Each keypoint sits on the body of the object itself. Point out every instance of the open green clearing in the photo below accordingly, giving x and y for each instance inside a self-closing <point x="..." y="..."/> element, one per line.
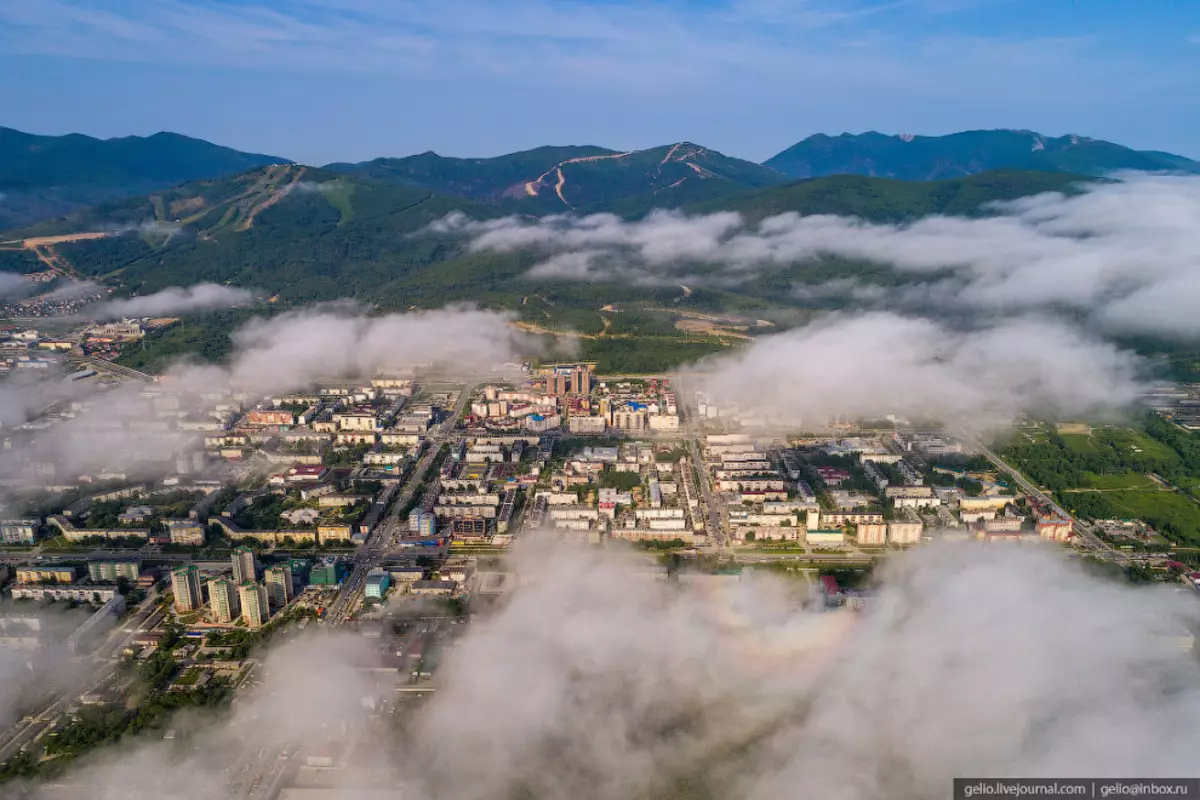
<point x="1105" y="474"/>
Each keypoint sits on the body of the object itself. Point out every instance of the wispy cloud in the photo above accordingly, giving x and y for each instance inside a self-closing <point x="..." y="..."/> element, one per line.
<point x="651" y="42"/>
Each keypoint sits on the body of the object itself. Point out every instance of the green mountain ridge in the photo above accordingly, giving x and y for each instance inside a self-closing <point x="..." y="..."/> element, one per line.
<point x="46" y="176"/>
<point x="300" y="235"/>
<point x="921" y="158"/>
<point x="582" y="179"/>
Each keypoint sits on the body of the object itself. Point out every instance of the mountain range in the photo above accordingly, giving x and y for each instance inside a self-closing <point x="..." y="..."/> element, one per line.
<point x="926" y="158"/>
<point x="299" y="234"/>
<point x="48" y="176"/>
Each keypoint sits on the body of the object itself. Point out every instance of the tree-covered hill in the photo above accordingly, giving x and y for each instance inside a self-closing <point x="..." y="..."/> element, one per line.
<point x="922" y="158"/>
<point x="555" y="179"/>
<point x="44" y="176"/>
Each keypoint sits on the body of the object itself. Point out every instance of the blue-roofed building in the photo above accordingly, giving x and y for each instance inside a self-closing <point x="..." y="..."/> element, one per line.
<point x="377" y="584"/>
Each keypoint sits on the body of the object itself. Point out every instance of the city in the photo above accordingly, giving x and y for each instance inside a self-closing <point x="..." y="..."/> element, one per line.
<point x="390" y="507"/>
<point x="592" y="400"/>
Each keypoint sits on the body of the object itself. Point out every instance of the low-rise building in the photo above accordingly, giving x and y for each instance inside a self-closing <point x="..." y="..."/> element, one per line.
<point x="377" y="584"/>
<point x="19" y="531"/>
<point x="110" y="571"/>
<point x="51" y="591"/>
<point x="434" y="588"/>
<point x="185" y="532"/>
<point x="872" y="534"/>
<point x="57" y="573"/>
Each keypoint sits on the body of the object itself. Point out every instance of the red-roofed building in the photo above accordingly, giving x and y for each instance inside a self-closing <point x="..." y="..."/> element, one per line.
<point x="833" y="475"/>
<point x="302" y="473"/>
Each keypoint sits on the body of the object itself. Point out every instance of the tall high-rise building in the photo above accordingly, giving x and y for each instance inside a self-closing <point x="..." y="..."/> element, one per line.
<point x="558" y="383"/>
<point x="185" y="584"/>
<point x="581" y="384"/>
<point x="224" y="601"/>
<point x="255" y="606"/>
<point x="245" y="566"/>
<point x="279" y="585"/>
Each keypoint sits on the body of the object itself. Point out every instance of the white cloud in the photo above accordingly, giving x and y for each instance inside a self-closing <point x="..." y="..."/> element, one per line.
<point x="118" y="429"/>
<point x="296" y="349"/>
<point x="871" y="365"/>
<point x="174" y="300"/>
<point x="13" y="285"/>
<point x="1128" y="252"/>
<point x="597" y="681"/>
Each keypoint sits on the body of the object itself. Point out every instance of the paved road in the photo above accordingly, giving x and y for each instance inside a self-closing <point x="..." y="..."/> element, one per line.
<point x="371" y="554"/>
<point x="96" y="671"/>
<point x="1087" y="536"/>
<point x="718" y="529"/>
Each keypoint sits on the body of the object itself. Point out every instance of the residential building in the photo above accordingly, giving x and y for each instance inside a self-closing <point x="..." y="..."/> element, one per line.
<point x="245" y="565"/>
<point x="185" y="584"/>
<point x="18" y="531"/>
<point x="224" y="600"/>
<point x="110" y="571"/>
<point x="422" y="523"/>
<point x="185" y="532"/>
<point x="54" y="591"/>
<point x="904" y="532"/>
<point x="872" y="534"/>
<point x="256" y="609"/>
<point x="61" y="574"/>
<point x="279" y="585"/>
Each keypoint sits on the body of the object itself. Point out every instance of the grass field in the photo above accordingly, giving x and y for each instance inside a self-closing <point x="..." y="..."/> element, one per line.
<point x="1183" y="511"/>
<point x="1128" y="480"/>
<point x="1138" y="441"/>
<point x="1079" y="442"/>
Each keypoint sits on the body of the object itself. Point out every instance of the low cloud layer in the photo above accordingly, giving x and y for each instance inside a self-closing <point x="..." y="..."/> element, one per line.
<point x="174" y="300"/>
<point x="12" y="285"/>
<point x="598" y="681"/>
<point x="1126" y="252"/>
<point x="874" y="364"/>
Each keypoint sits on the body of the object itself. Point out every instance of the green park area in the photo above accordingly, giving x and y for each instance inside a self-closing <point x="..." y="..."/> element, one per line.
<point x="1150" y="472"/>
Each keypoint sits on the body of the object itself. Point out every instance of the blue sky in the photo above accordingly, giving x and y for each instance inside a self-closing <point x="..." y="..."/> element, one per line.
<point x="325" y="80"/>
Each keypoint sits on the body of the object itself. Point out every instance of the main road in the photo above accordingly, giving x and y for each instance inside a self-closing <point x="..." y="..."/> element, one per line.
<point x="1081" y="529"/>
<point x="93" y="673"/>
<point x="717" y="526"/>
<point x="371" y="554"/>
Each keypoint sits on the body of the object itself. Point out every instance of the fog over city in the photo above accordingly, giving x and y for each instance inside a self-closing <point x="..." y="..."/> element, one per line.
<point x="597" y="681"/>
<point x="278" y="354"/>
<point x="878" y="363"/>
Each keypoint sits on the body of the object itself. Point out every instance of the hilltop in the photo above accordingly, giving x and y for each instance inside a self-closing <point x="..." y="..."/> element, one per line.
<point x="45" y="176"/>
<point x="923" y="158"/>
<point x="584" y="179"/>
